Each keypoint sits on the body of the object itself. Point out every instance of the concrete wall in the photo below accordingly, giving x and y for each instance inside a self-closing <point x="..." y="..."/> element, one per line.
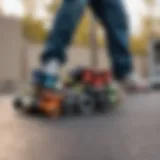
<point x="11" y="43"/>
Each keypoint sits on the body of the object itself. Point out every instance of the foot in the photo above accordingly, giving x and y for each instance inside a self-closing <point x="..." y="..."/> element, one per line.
<point x="48" y="75"/>
<point x="135" y="83"/>
<point x="44" y="89"/>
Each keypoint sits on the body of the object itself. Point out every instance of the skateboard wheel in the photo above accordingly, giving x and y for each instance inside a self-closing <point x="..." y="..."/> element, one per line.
<point x="68" y="106"/>
<point x="50" y="104"/>
<point x="69" y="102"/>
<point x="85" y="104"/>
<point x="17" y="103"/>
<point x="50" y="108"/>
<point x="24" y="103"/>
<point x="102" y="102"/>
<point x="88" y="76"/>
<point x="112" y="94"/>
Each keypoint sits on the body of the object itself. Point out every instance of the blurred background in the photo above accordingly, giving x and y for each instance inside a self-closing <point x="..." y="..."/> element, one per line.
<point x="24" y="25"/>
<point x="131" y="132"/>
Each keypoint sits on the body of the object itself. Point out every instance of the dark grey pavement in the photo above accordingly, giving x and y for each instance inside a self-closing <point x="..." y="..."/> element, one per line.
<point x="130" y="133"/>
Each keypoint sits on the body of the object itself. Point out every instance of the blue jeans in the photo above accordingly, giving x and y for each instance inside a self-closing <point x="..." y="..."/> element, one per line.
<point x="112" y="16"/>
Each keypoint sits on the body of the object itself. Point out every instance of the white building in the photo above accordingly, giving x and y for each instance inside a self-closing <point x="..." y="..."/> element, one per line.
<point x="11" y="43"/>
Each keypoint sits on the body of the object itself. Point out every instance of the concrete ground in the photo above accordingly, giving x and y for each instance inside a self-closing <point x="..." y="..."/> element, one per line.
<point x="130" y="133"/>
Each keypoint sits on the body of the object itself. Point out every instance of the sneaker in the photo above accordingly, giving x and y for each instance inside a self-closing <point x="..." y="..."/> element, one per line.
<point x="48" y="76"/>
<point x="41" y="83"/>
<point x="46" y="81"/>
<point x="135" y="83"/>
<point x="45" y="84"/>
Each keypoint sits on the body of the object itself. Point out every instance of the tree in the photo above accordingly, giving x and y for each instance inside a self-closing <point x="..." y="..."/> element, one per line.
<point x="34" y="30"/>
<point x="139" y="43"/>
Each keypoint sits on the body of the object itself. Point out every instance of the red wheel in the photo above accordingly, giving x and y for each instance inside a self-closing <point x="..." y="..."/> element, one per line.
<point x="107" y="77"/>
<point x="88" y="76"/>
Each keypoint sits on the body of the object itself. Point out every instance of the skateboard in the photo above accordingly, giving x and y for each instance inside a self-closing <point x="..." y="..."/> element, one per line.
<point x="87" y="92"/>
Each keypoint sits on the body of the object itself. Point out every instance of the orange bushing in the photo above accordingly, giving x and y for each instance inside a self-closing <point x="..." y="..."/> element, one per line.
<point x="50" y="103"/>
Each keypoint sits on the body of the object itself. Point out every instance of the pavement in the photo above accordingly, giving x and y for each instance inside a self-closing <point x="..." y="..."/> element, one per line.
<point x="131" y="132"/>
